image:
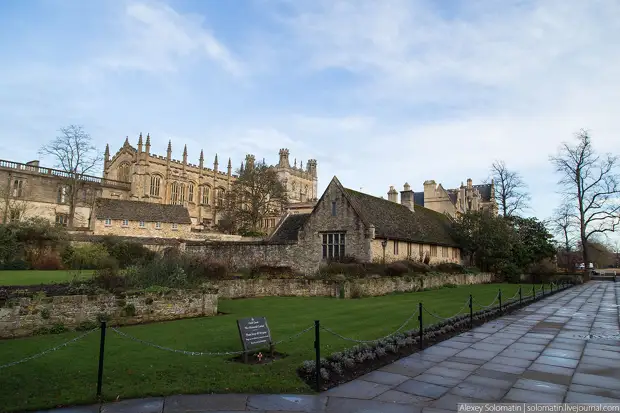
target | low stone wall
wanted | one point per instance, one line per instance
(26, 316)
(363, 287)
(238, 255)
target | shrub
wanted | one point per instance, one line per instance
(109, 280)
(509, 272)
(416, 266)
(16, 264)
(200, 268)
(375, 268)
(87, 257)
(449, 268)
(47, 261)
(396, 269)
(350, 270)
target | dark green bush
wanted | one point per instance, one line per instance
(88, 257)
(374, 268)
(127, 253)
(16, 264)
(109, 280)
(449, 268)
(416, 266)
(396, 269)
(349, 270)
(47, 261)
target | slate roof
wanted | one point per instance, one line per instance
(141, 211)
(485, 191)
(396, 221)
(418, 198)
(288, 230)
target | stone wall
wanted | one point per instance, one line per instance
(362, 287)
(414, 251)
(25, 316)
(238, 255)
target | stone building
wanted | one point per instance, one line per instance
(455, 201)
(165, 180)
(345, 222)
(140, 219)
(29, 190)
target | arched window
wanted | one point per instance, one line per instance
(155, 184)
(220, 196)
(175, 191)
(205, 195)
(190, 193)
(181, 193)
(123, 172)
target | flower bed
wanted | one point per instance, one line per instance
(341, 367)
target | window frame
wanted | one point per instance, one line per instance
(330, 240)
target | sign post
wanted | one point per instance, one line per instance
(254, 333)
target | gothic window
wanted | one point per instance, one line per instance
(190, 194)
(205, 195)
(155, 184)
(61, 195)
(18, 187)
(176, 190)
(181, 193)
(220, 196)
(62, 220)
(123, 172)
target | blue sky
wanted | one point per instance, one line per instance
(379, 92)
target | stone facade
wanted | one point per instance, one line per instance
(366, 287)
(24, 316)
(395, 250)
(28, 190)
(125, 228)
(454, 202)
(200, 189)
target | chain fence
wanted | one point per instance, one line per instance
(49, 350)
(398, 330)
(438, 317)
(203, 353)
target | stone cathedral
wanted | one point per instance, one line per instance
(166, 180)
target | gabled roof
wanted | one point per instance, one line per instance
(141, 211)
(288, 229)
(396, 221)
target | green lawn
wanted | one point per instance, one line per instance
(33, 277)
(69, 375)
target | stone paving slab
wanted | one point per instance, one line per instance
(541, 353)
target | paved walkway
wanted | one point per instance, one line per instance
(538, 354)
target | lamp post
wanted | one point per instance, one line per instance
(384, 244)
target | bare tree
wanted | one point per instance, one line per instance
(563, 224)
(510, 190)
(255, 195)
(74, 154)
(591, 183)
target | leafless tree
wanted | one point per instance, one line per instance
(75, 154)
(591, 184)
(510, 190)
(255, 195)
(563, 224)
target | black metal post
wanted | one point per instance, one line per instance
(421, 326)
(533, 292)
(500, 300)
(520, 296)
(543, 289)
(101, 353)
(317, 348)
(471, 311)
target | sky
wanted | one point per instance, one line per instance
(379, 92)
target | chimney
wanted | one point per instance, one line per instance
(406, 197)
(392, 195)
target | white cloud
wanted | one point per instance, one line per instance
(155, 38)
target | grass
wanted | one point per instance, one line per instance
(69, 376)
(34, 277)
